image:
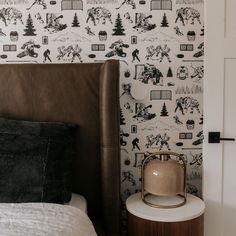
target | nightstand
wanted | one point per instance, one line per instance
(144, 220)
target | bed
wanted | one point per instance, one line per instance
(83, 94)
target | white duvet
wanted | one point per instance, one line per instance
(43, 219)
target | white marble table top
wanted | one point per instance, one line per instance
(191, 210)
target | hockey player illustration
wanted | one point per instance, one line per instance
(180, 15)
(186, 14)
(135, 55)
(128, 176)
(151, 73)
(128, 2)
(142, 23)
(46, 56)
(91, 15)
(177, 120)
(179, 105)
(117, 49)
(126, 89)
(76, 53)
(97, 14)
(128, 17)
(197, 160)
(53, 23)
(128, 107)
(161, 140)
(153, 51)
(89, 31)
(9, 14)
(69, 53)
(38, 2)
(177, 31)
(192, 104)
(28, 48)
(182, 73)
(142, 113)
(198, 73)
(186, 103)
(39, 18)
(151, 139)
(3, 18)
(135, 144)
(165, 53)
(158, 53)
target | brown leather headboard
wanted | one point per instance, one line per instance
(85, 94)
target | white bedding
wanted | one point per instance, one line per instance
(43, 219)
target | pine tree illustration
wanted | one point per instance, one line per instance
(122, 119)
(164, 22)
(164, 110)
(75, 22)
(169, 73)
(119, 29)
(29, 30)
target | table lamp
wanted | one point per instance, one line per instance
(164, 179)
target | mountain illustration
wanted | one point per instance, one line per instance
(159, 126)
(70, 37)
(159, 36)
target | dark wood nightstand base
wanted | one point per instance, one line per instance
(141, 227)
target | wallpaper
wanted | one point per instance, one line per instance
(160, 47)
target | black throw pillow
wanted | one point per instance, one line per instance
(36, 161)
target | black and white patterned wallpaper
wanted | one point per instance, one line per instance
(160, 46)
